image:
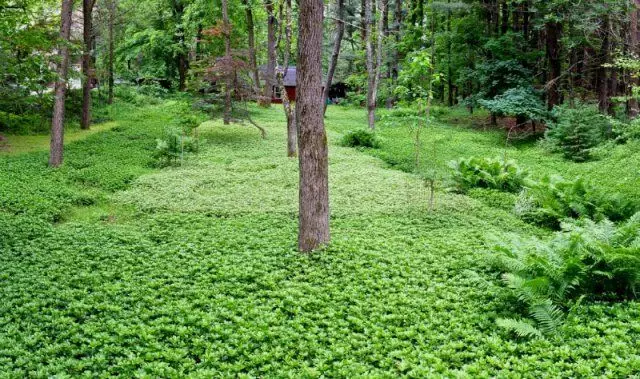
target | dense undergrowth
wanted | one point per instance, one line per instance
(192, 270)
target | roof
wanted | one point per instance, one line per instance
(289, 76)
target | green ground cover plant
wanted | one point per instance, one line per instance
(193, 270)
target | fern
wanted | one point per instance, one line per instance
(586, 259)
(486, 173)
(522, 329)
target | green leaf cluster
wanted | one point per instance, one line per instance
(499, 174)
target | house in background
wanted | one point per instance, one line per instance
(337, 91)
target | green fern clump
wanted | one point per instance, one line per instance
(585, 260)
(488, 173)
(553, 199)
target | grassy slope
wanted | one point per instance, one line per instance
(202, 276)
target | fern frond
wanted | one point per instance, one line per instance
(521, 328)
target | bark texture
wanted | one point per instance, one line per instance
(87, 69)
(227, 56)
(632, 105)
(336, 50)
(112, 15)
(371, 69)
(270, 73)
(57, 123)
(312, 138)
(553, 31)
(252, 44)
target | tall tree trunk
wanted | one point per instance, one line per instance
(312, 141)
(632, 105)
(292, 129)
(603, 80)
(87, 70)
(252, 45)
(449, 53)
(553, 31)
(57, 123)
(227, 56)
(525, 20)
(269, 76)
(397, 24)
(336, 50)
(371, 69)
(112, 14)
(505, 17)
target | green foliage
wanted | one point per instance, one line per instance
(489, 173)
(361, 138)
(576, 131)
(587, 259)
(193, 272)
(553, 199)
(171, 149)
(523, 103)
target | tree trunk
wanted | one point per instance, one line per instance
(553, 32)
(252, 45)
(227, 56)
(312, 141)
(504, 28)
(632, 105)
(449, 53)
(371, 69)
(336, 50)
(269, 76)
(110, 81)
(397, 24)
(602, 83)
(57, 123)
(292, 130)
(87, 70)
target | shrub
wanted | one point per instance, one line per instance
(627, 131)
(554, 199)
(576, 131)
(171, 148)
(489, 173)
(521, 102)
(584, 260)
(361, 138)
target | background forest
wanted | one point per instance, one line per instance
(309, 188)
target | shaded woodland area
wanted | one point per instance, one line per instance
(309, 188)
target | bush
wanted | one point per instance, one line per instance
(361, 138)
(576, 131)
(627, 131)
(171, 148)
(521, 102)
(554, 199)
(587, 259)
(489, 173)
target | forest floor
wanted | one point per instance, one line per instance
(109, 266)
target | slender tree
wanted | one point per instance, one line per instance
(270, 72)
(312, 138)
(57, 123)
(226, 30)
(632, 104)
(252, 44)
(333, 63)
(112, 6)
(87, 69)
(292, 138)
(371, 68)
